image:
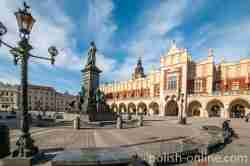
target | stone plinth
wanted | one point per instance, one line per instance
(102, 116)
(20, 161)
(95, 156)
(16, 162)
(90, 79)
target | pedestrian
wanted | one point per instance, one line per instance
(227, 131)
(247, 117)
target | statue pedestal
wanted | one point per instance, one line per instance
(20, 161)
(102, 116)
(16, 162)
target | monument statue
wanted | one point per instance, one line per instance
(91, 54)
(100, 96)
(94, 104)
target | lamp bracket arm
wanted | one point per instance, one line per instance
(6, 44)
(39, 57)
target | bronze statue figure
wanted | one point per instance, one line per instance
(100, 96)
(91, 54)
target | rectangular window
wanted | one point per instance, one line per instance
(235, 85)
(172, 83)
(198, 85)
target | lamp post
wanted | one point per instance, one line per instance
(22, 53)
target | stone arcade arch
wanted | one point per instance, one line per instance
(237, 108)
(214, 108)
(194, 109)
(154, 107)
(142, 108)
(114, 107)
(122, 108)
(171, 108)
(132, 108)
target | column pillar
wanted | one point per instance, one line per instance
(226, 112)
(161, 108)
(203, 112)
(162, 103)
(247, 111)
(138, 110)
(180, 109)
(151, 111)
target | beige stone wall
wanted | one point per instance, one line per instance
(63, 100)
(41, 98)
(235, 69)
(9, 98)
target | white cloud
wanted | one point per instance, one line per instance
(10, 79)
(152, 40)
(100, 25)
(230, 41)
(105, 63)
(52, 27)
(7, 17)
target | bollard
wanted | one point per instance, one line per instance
(183, 121)
(119, 122)
(4, 139)
(140, 122)
(247, 117)
(77, 123)
(129, 116)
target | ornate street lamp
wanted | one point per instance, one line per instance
(21, 53)
(25, 21)
(3, 29)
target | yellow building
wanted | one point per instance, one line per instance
(40, 98)
(183, 87)
(9, 97)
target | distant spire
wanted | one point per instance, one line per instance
(210, 52)
(222, 59)
(173, 44)
(139, 61)
(138, 71)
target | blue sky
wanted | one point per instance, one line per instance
(123, 30)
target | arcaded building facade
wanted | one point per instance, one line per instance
(184, 87)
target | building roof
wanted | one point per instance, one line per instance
(4, 86)
(39, 87)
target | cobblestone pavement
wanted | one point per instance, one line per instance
(237, 153)
(155, 129)
(14, 134)
(68, 138)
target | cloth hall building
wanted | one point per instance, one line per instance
(206, 89)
